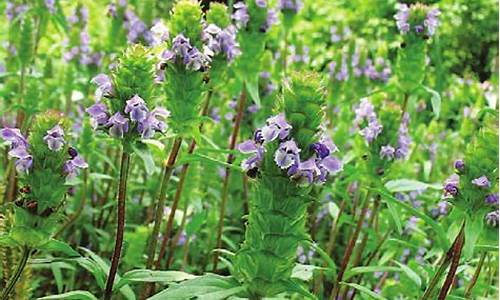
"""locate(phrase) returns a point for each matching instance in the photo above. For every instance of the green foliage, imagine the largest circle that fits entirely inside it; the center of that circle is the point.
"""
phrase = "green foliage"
(218, 15)
(186, 20)
(410, 66)
(183, 90)
(134, 75)
(303, 103)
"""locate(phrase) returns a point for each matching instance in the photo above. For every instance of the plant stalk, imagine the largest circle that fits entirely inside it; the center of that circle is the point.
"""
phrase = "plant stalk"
(17, 274)
(350, 247)
(457, 251)
(473, 281)
(225, 187)
(122, 192)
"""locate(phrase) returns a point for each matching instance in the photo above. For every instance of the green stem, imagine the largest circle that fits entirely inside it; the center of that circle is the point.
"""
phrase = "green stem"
(122, 192)
(473, 281)
(17, 274)
(225, 186)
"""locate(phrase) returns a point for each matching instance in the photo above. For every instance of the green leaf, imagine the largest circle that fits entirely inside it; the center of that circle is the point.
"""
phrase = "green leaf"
(410, 273)
(334, 210)
(103, 267)
(143, 152)
(395, 216)
(473, 229)
(7, 241)
(440, 234)
(364, 290)
(304, 272)
(59, 246)
(435, 100)
(144, 275)
(252, 86)
(370, 269)
(221, 295)
(408, 185)
(74, 295)
(197, 287)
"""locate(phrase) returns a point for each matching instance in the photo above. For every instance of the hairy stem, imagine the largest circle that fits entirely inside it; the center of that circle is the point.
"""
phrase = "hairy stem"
(225, 187)
(122, 192)
(18, 272)
(445, 261)
(457, 251)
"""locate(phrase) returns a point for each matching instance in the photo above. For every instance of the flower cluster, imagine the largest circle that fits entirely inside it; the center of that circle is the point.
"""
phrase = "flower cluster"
(18, 148)
(335, 36)
(418, 18)
(241, 16)
(480, 185)
(287, 157)
(54, 139)
(13, 10)
(135, 115)
(292, 6)
(81, 51)
(365, 113)
(221, 41)
(376, 70)
(183, 52)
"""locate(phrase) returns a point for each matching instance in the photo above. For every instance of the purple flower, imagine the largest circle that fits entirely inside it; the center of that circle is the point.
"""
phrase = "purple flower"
(118, 125)
(492, 218)
(293, 6)
(451, 188)
(159, 33)
(240, 14)
(24, 159)
(136, 108)
(287, 154)
(271, 19)
(387, 152)
(188, 55)
(404, 139)
(72, 166)
(55, 138)
(320, 149)
(459, 165)
(402, 17)
(98, 113)
(431, 21)
(153, 122)
(250, 147)
(305, 171)
(261, 3)
(482, 182)
(329, 165)
(491, 199)
(221, 41)
(50, 5)
(365, 111)
(104, 86)
(14, 136)
(277, 127)
(343, 74)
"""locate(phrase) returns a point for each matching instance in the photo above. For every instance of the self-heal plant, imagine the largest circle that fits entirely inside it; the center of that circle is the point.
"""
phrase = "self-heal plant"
(473, 190)
(184, 60)
(417, 23)
(45, 162)
(124, 110)
(291, 152)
